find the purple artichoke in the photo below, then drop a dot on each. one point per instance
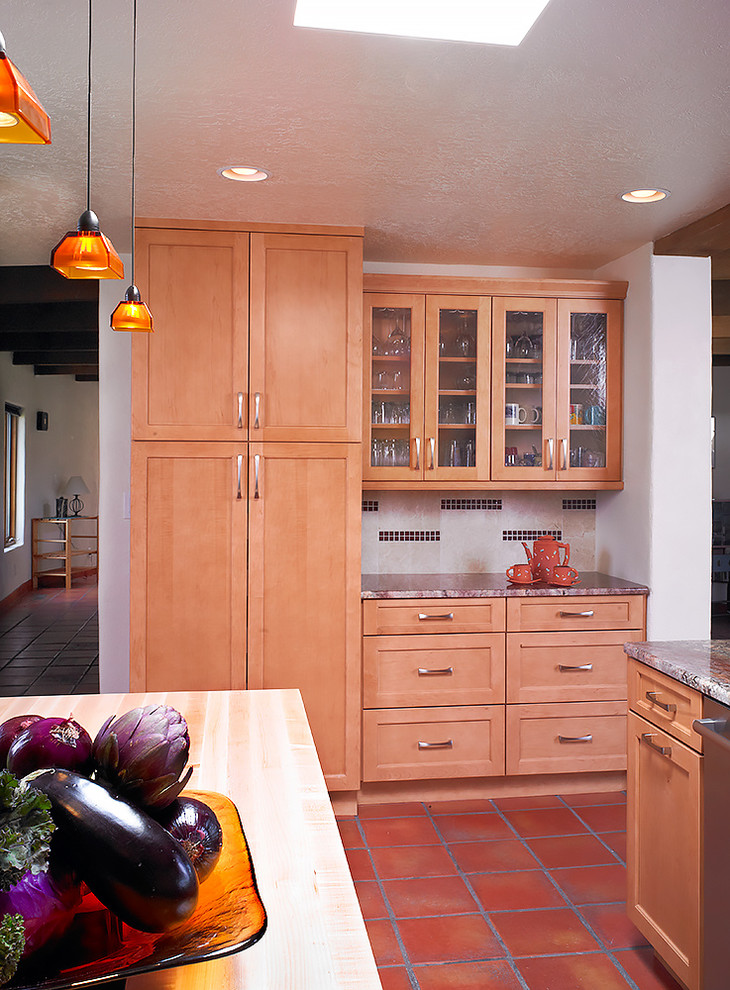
(142, 753)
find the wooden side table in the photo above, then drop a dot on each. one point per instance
(58, 547)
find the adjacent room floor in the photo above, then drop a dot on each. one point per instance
(509, 894)
(49, 642)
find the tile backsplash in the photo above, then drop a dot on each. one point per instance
(444, 533)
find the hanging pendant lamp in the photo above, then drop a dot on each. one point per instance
(131, 314)
(22, 119)
(86, 252)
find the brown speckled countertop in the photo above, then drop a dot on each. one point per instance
(702, 664)
(488, 586)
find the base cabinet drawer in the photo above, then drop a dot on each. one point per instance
(426, 616)
(423, 743)
(667, 703)
(560, 738)
(569, 612)
(402, 671)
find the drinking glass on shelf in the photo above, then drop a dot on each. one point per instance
(471, 412)
(469, 454)
(454, 454)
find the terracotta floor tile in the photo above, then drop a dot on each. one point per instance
(593, 884)
(420, 898)
(384, 943)
(460, 807)
(494, 856)
(570, 850)
(599, 797)
(395, 978)
(462, 828)
(394, 862)
(610, 923)
(518, 803)
(404, 808)
(645, 969)
(545, 821)
(350, 834)
(583, 972)
(371, 900)
(360, 866)
(515, 891)
(491, 975)
(453, 938)
(605, 817)
(399, 832)
(536, 933)
(617, 842)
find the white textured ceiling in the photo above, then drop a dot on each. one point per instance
(445, 152)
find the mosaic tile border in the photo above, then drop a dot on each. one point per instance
(448, 504)
(370, 505)
(580, 503)
(409, 536)
(530, 534)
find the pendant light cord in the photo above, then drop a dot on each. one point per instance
(88, 123)
(134, 118)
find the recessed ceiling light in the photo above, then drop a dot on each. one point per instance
(491, 22)
(243, 173)
(645, 195)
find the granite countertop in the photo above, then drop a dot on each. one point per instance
(702, 664)
(488, 586)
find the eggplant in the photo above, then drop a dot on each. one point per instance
(134, 867)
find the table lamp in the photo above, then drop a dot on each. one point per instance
(76, 486)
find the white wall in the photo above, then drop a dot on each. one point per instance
(658, 530)
(69, 446)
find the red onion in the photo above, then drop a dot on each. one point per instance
(10, 729)
(197, 829)
(51, 742)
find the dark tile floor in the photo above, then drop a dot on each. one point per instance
(49, 642)
(509, 894)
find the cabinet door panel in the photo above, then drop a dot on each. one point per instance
(188, 598)
(304, 584)
(306, 337)
(190, 377)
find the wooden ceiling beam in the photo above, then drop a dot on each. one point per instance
(66, 369)
(704, 237)
(42, 317)
(29, 340)
(56, 357)
(43, 284)
(721, 297)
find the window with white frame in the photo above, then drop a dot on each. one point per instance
(13, 474)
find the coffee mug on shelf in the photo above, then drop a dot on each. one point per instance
(595, 415)
(514, 414)
(520, 573)
(561, 574)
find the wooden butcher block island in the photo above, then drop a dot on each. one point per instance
(256, 748)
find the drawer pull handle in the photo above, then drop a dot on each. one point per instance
(426, 672)
(582, 666)
(422, 617)
(652, 696)
(648, 738)
(586, 614)
(446, 744)
(575, 739)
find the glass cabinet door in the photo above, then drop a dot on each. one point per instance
(589, 372)
(457, 410)
(523, 389)
(394, 330)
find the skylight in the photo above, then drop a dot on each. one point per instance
(490, 22)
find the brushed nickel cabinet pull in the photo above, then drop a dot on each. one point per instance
(587, 614)
(256, 459)
(652, 696)
(256, 410)
(550, 453)
(240, 411)
(432, 443)
(418, 454)
(564, 448)
(446, 744)
(422, 617)
(648, 738)
(240, 468)
(575, 739)
(582, 666)
(435, 671)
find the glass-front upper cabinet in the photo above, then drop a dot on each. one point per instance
(589, 390)
(394, 370)
(523, 389)
(457, 414)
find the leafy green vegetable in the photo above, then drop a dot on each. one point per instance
(25, 830)
(12, 943)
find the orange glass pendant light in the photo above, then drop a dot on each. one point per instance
(86, 252)
(22, 119)
(131, 314)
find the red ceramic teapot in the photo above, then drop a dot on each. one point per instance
(545, 555)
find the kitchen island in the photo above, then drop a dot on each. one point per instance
(256, 748)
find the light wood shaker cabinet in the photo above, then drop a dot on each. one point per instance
(664, 802)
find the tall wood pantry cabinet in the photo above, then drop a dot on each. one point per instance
(246, 454)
